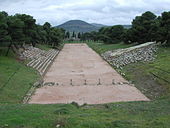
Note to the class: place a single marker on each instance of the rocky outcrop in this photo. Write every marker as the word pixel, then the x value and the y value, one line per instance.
pixel 122 57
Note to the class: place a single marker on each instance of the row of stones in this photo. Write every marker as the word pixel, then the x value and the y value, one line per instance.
pixel 39 59
pixel 32 90
pixel 120 58
pixel 88 84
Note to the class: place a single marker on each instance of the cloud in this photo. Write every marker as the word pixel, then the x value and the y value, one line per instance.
pixel 109 12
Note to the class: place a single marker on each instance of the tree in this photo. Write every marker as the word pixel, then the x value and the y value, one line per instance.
pixel 103 30
pixel 105 38
pixel 4 35
pixel 73 35
pixel 94 36
pixel 57 36
pixel 79 35
pixel 127 36
pixel 112 34
pixel 42 34
pixel 16 27
pixel 62 32
pixel 164 29
pixel 115 33
pixel 67 35
pixel 47 28
pixel 54 36
pixel 143 28
pixel 29 29
pixel 21 28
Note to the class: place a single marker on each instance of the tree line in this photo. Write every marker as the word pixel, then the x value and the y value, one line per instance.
pixel 22 28
pixel 145 28
pixel 69 35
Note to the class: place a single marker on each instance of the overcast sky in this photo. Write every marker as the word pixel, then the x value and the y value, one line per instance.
pixel 108 12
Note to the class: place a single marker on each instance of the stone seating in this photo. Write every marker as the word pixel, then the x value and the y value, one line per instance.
pixel 39 59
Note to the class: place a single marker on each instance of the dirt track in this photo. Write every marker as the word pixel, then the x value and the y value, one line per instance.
pixel 81 65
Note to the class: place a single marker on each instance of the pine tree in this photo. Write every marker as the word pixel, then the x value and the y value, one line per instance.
pixel 73 35
pixel 67 35
pixel 79 35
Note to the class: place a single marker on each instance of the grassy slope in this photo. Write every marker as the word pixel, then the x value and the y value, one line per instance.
pixel 43 47
pixel 142 74
pixel 154 114
pixel 15 79
pixel 101 48
pixel 152 78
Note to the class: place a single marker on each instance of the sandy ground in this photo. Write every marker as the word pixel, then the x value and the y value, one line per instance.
pixel 81 65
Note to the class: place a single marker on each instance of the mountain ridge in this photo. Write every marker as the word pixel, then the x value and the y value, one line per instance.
pixel 78 26
pixel 99 25
pixel 82 26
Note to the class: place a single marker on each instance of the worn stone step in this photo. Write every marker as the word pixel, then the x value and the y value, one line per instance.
pixel 45 68
pixel 41 64
pixel 44 61
pixel 40 59
pixel 44 64
pixel 47 63
pixel 30 62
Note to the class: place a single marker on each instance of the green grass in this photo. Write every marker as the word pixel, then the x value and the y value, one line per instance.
pixel 152 78
pixel 43 47
pixel 153 114
pixel 101 47
pixel 15 79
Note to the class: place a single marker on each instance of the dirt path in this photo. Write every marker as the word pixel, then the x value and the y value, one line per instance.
pixel 77 71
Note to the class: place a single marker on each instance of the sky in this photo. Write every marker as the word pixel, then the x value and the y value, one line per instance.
pixel 108 12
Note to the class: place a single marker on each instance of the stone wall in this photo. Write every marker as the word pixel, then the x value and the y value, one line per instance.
pixel 121 57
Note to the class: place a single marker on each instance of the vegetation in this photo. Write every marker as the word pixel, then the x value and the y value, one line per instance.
pixel 124 115
pixel 98 25
pixel 67 35
pixel 79 35
pixel 101 47
pixel 145 28
pixel 73 35
pixel 15 79
pixel 154 114
pixel 44 46
pixel 152 78
pixel 21 28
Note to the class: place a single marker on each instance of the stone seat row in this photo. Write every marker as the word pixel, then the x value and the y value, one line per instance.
pixel 40 59
pixel 42 62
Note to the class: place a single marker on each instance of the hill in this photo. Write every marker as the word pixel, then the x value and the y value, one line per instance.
pixel 78 26
pixel 98 25
pixel 82 26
